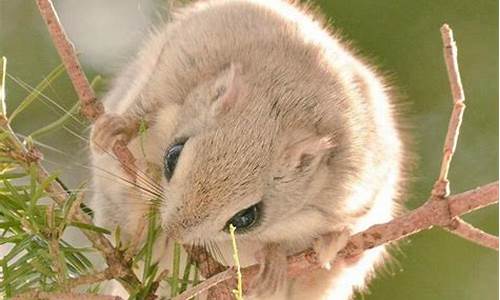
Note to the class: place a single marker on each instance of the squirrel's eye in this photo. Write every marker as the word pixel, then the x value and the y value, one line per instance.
pixel 170 160
pixel 245 219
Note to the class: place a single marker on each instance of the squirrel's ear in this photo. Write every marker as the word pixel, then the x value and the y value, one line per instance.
pixel 302 150
pixel 228 88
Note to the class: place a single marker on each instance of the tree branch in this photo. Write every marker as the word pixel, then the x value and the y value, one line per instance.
pixel 474 199
pixel 442 186
pixel 90 107
pixel 465 230
pixel 209 267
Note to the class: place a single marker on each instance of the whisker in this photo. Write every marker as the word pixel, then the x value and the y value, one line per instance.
pixel 51 87
pixel 145 178
pixel 125 201
pixel 210 249
pixel 215 251
pixel 132 183
pixel 40 144
pixel 122 180
pixel 146 183
pixel 219 253
pixel 112 176
pixel 31 89
pixel 84 139
pixel 140 174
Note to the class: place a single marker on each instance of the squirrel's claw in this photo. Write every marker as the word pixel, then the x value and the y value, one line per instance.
pixel 271 278
pixel 328 245
pixel 109 128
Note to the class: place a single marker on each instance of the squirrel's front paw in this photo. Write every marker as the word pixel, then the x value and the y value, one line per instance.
pixel 109 128
pixel 271 278
pixel 328 245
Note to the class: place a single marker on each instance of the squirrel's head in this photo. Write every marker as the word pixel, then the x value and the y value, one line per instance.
pixel 230 162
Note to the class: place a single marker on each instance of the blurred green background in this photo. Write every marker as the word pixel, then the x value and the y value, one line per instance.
pixel 401 37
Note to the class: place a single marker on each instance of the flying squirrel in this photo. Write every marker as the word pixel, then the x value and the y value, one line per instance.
pixel 260 118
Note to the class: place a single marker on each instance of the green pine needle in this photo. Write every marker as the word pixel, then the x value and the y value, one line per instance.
pixel 37 91
pixel 3 69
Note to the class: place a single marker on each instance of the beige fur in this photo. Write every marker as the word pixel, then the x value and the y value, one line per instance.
pixel 276 110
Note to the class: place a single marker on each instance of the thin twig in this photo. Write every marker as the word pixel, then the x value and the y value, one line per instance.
pixel 475 199
pixel 475 235
pixel 90 107
pixel 441 188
